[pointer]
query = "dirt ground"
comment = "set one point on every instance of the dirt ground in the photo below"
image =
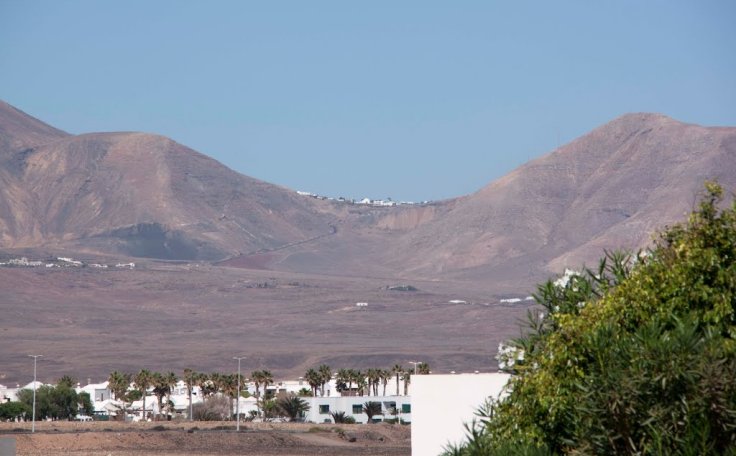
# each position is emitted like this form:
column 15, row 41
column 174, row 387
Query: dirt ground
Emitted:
column 210, row 438
column 87, row 323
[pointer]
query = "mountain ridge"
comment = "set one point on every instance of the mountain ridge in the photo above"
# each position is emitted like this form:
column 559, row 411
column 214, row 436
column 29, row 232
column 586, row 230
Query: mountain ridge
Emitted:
column 265, row 271
column 145, row 195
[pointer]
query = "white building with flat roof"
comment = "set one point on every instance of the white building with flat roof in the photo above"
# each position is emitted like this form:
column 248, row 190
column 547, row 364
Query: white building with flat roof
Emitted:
column 444, row 403
column 392, row 408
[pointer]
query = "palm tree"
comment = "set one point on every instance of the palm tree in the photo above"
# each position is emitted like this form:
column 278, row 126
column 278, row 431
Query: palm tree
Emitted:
column 162, row 384
column 369, row 375
column 342, row 378
column 361, row 383
column 314, row 379
column 372, row 408
column 423, row 369
column 190, row 379
column 266, row 380
column 397, row 369
column 292, row 406
column 385, row 377
column 354, row 376
column 119, row 382
column 142, row 381
column 377, row 381
column 325, row 374
column 67, row 381
column 261, row 377
column 407, row 379
column 230, row 389
column 338, row 417
column 206, row 385
column 216, row 382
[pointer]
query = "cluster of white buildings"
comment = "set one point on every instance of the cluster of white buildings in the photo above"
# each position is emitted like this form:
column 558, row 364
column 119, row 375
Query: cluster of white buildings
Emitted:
column 60, row 262
column 106, row 406
column 439, row 408
column 364, row 201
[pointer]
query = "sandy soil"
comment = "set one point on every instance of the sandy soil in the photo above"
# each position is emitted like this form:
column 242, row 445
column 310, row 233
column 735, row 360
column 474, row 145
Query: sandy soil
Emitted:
column 88, row 323
column 175, row 439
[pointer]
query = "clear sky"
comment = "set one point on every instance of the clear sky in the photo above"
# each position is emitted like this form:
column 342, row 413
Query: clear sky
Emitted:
column 411, row 100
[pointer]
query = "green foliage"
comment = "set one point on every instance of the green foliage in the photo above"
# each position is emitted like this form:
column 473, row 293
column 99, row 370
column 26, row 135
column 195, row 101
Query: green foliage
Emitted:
column 134, row 395
column 635, row 357
column 85, row 404
column 10, row 411
column 67, row 381
column 162, row 384
column 59, row 402
column 372, row 408
column 292, row 406
column 269, row 408
column 342, row 418
column 119, row 382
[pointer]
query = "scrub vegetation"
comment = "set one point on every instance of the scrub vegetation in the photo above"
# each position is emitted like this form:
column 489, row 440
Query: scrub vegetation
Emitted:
column 636, row 356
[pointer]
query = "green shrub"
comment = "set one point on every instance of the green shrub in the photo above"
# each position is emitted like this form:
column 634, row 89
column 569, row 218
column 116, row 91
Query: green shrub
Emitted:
column 637, row 356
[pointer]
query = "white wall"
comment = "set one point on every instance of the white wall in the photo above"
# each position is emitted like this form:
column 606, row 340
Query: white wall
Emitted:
column 441, row 404
column 345, row 404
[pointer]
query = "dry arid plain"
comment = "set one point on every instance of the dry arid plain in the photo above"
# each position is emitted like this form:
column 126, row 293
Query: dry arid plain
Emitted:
column 167, row 317
column 211, row 438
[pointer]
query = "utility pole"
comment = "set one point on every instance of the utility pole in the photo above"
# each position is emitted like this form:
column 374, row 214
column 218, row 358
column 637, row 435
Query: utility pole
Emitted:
column 33, row 422
column 237, row 404
column 415, row 363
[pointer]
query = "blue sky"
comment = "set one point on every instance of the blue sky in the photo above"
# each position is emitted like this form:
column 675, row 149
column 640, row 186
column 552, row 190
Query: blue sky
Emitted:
column 411, row 100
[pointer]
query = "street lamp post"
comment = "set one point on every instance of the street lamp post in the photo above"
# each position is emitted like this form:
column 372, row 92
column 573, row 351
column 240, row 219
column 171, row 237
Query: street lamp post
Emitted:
column 237, row 404
column 415, row 363
column 33, row 421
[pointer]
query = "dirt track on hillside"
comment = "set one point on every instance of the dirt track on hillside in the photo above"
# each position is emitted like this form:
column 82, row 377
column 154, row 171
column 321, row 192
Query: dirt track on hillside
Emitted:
column 176, row 439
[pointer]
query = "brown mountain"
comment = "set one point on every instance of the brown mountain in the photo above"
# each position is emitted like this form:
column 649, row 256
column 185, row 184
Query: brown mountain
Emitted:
column 303, row 263
column 611, row 188
column 145, row 195
column 136, row 194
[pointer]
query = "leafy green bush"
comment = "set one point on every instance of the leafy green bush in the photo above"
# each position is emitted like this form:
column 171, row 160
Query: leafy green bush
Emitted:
column 10, row 411
column 635, row 357
column 342, row 418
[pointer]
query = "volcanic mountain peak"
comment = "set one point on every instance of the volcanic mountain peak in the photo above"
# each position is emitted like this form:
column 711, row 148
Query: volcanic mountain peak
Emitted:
column 145, row 195
column 138, row 194
column 610, row 188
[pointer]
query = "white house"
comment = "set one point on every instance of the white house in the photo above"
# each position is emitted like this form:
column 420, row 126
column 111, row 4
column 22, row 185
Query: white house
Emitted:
column 392, row 407
column 98, row 392
column 8, row 394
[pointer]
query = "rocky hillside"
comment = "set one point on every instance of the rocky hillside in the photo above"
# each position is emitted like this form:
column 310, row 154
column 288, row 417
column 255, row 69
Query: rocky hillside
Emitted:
column 144, row 195
column 137, row 194
column 611, row 188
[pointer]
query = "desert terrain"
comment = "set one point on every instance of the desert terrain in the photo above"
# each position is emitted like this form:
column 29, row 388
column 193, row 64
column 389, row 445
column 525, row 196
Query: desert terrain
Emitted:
column 230, row 265
column 166, row 317
column 206, row 438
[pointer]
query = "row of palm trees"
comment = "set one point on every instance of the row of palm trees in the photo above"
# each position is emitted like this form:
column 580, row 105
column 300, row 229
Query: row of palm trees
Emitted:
column 161, row 384
column 366, row 382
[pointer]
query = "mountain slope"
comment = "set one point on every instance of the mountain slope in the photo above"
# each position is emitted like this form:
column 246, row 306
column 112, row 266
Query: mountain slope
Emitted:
column 147, row 196
column 140, row 195
column 608, row 189
column 20, row 131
